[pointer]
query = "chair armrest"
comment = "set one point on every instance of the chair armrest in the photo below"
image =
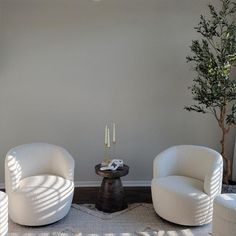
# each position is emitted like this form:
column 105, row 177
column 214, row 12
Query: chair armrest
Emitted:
column 63, row 164
column 13, row 173
column 213, row 179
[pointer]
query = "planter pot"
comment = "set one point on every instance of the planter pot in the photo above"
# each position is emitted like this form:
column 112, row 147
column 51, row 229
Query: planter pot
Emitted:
column 229, row 188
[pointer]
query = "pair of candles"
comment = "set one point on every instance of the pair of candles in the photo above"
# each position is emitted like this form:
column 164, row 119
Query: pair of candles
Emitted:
column 107, row 135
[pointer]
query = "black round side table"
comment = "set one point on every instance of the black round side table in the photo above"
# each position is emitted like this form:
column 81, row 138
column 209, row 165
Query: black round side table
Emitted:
column 111, row 195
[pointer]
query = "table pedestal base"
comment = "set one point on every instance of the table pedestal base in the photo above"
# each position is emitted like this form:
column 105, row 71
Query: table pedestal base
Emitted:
column 111, row 196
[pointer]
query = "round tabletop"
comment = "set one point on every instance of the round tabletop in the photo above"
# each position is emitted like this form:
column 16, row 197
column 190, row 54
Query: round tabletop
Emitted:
column 121, row 171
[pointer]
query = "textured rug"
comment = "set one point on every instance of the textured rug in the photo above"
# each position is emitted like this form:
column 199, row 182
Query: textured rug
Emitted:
column 138, row 220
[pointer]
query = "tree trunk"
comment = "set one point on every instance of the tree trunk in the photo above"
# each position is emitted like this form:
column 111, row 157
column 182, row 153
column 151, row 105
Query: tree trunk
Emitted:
column 227, row 162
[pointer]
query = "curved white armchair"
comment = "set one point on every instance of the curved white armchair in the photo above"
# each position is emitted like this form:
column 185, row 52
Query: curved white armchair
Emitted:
column 39, row 183
column 186, row 180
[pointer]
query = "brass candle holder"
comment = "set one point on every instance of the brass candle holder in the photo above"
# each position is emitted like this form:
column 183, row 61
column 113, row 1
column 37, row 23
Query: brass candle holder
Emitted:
column 107, row 147
column 107, row 158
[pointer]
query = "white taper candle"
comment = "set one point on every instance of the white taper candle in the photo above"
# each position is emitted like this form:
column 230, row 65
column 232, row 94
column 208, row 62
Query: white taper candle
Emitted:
column 106, row 135
column 114, row 133
column 108, row 138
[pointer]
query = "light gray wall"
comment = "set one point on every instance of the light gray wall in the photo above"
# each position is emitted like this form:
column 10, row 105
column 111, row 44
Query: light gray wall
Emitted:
column 71, row 66
column 1, row 33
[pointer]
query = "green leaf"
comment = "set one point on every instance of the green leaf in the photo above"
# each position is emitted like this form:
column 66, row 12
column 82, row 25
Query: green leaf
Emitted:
column 213, row 58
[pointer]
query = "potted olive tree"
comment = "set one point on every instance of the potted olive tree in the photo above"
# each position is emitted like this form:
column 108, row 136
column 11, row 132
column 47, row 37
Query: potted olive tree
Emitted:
column 213, row 57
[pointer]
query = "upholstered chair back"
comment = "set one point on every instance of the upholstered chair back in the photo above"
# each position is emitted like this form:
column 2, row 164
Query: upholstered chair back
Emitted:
column 191, row 161
column 39, row 183
column 36, row 159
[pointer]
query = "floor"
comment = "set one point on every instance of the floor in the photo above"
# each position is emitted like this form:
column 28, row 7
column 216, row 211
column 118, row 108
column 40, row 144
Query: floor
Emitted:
column 133, row 194
column 139, row 219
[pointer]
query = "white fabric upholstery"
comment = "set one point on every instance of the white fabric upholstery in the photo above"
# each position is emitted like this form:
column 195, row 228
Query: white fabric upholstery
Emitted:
column 224, row 215
column 39, row 182
column 3, row 214
column 186, row 180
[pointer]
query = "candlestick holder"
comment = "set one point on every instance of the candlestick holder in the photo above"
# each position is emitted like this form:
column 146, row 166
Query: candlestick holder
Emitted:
column 114, row 150
column 107, row 158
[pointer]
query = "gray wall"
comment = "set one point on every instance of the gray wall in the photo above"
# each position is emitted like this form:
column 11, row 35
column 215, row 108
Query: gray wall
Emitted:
column 71, row 66
column 1, row 34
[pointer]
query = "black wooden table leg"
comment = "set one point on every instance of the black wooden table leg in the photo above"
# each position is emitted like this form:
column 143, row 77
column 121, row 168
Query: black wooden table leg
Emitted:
column 111, row 196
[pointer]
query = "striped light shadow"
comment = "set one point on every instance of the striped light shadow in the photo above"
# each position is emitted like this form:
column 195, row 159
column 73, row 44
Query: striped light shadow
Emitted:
column 3, row 214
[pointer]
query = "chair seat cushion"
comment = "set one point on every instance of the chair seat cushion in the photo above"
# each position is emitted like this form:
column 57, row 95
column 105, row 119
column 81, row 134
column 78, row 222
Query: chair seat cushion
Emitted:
column 43, row 185
column 181, row 200
column 224, row 216
column 225, row 206
column 182, row 185
column 41, row 199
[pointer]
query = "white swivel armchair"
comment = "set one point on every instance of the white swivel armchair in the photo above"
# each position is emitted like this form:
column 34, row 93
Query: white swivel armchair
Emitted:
column 186, row 180
column 39, row 183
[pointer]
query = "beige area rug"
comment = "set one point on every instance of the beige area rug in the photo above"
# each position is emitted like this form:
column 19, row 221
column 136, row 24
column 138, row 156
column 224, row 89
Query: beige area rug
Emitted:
column 138, row 220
